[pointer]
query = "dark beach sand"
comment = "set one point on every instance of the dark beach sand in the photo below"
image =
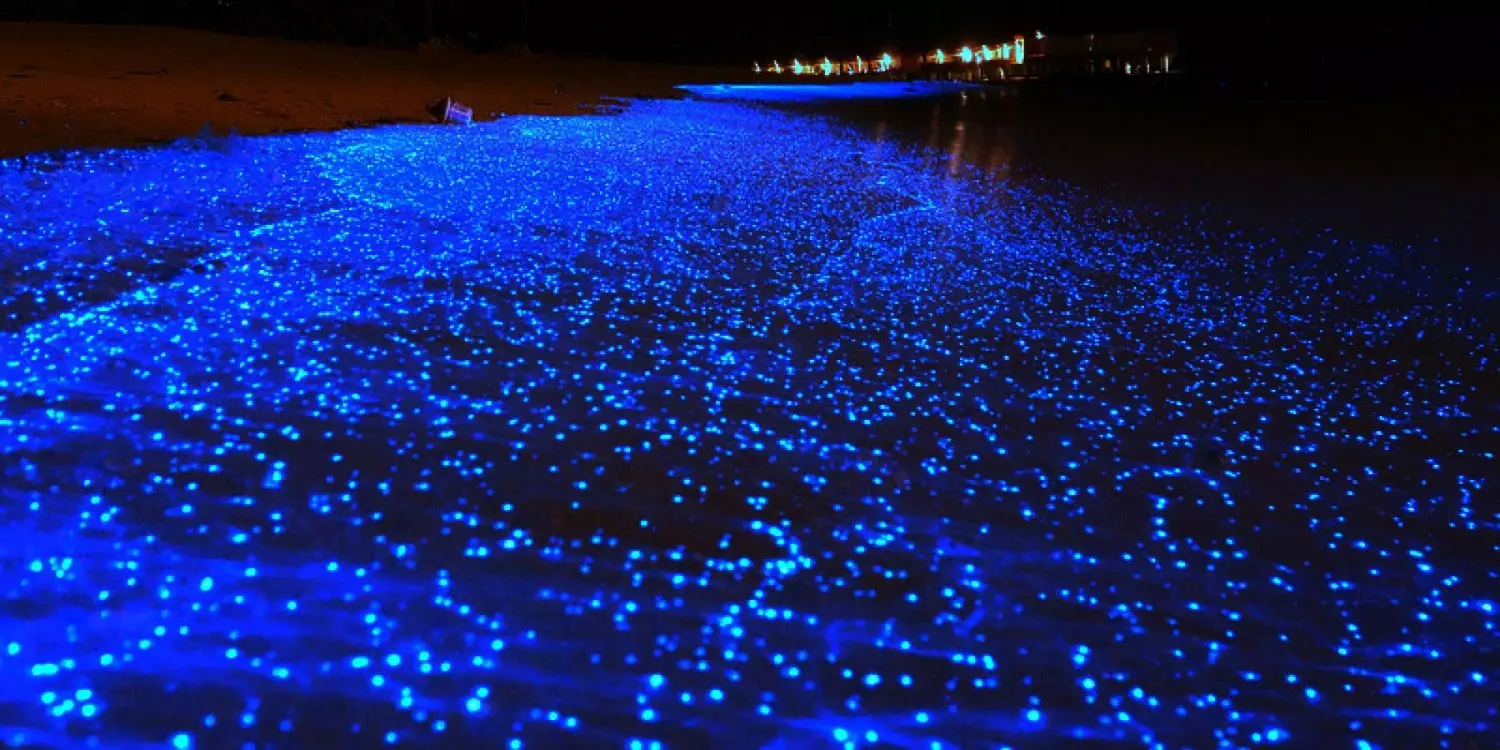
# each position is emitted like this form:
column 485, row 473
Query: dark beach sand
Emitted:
column 65, row 86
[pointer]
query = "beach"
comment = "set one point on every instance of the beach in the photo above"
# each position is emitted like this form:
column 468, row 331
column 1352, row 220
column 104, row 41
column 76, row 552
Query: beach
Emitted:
column 890, row 416
column 67, row 86
column 712, row 424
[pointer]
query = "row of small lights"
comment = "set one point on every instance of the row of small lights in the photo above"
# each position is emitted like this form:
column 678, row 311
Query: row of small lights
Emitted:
column 885, row 63
column 828, row 67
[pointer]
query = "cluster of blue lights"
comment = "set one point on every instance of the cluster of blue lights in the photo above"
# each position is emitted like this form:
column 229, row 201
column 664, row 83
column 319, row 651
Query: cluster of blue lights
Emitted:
column 711, row 426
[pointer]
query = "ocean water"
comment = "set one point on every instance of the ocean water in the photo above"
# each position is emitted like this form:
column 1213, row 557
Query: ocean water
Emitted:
column 720, row 424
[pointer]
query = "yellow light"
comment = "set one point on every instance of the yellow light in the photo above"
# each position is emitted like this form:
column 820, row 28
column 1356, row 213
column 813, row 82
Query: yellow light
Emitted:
column 941, row 58
column 827, row 67
column 1020, row 49
column 797, row 66
column 885, row 61
column 757, row 67
column 986, row 53
column 775, row 66
column 966, row 54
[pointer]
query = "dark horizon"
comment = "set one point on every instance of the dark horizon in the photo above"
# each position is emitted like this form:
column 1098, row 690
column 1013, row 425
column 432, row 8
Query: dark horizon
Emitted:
column 1273, row 44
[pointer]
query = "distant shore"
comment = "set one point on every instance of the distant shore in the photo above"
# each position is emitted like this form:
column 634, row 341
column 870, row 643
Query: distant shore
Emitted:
column 66, row 86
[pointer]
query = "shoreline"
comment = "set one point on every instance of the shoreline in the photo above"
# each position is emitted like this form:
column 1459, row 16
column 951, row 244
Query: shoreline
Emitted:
column 65, row 87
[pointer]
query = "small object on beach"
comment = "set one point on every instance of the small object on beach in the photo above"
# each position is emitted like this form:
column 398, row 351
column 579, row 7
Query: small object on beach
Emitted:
column 449, row 112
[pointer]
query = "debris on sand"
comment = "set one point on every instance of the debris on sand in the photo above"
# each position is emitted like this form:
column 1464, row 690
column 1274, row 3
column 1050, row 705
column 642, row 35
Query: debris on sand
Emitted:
column 449, row 111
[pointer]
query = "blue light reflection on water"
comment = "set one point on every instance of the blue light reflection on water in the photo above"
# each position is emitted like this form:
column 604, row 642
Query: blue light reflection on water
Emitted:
column 829, row 92
column 703, row 424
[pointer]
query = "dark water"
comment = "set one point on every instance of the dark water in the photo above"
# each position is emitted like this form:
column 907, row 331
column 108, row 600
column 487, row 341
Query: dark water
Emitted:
column 716, row 426
column 1400, row 170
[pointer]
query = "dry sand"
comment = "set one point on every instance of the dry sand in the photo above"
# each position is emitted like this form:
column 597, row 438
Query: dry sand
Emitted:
column 65, row 86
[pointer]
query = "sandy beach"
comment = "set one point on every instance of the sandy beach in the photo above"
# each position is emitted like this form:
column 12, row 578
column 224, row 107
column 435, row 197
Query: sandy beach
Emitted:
column 65, row 86
column 711, row 425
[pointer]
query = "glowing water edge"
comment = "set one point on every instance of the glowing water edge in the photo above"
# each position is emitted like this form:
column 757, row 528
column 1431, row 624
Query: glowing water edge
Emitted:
column 704, row 426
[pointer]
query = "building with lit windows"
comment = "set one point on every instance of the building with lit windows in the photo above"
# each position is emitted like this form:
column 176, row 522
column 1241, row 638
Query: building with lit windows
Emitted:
column 1135, row 53
column 1021, row 56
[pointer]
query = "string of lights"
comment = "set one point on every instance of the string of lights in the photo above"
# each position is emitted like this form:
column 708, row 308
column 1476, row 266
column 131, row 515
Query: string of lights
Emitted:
column 1012, row 52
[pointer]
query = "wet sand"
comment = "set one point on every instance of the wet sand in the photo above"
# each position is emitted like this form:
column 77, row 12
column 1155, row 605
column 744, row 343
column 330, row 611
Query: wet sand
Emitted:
column 715, row 426
column 65, row 86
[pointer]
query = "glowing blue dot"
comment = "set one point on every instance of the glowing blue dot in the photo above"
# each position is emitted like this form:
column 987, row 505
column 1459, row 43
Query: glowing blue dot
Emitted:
column 1033, row 715
column 182, row 741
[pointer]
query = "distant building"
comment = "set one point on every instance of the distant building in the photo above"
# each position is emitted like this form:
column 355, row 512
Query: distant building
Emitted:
column 984, row 62
column 1022, row 56
column 1132, row 53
